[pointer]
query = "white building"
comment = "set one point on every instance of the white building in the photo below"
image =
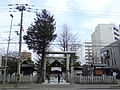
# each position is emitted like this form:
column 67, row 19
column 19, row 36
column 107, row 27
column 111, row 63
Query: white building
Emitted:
column 88, row 53
column 104, row 35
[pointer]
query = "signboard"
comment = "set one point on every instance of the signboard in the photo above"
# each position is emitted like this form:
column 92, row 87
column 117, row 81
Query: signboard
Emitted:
column 56, row 69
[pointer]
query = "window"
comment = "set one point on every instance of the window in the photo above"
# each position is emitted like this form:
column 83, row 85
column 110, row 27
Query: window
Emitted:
column 106, row 54
column 116, row 33
column 115, row 61
column 112, row 62
column 115, row 29
column 108, row 62
column 116, row 38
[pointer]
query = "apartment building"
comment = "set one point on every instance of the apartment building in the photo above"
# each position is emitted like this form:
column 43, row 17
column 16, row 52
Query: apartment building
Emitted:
column 88, row 53
column 104, row 35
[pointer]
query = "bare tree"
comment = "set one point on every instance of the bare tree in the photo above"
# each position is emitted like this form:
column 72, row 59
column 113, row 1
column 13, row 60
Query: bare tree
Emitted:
column 2, row 51
column 68, row 42
column 66, row 39
column 13, row 53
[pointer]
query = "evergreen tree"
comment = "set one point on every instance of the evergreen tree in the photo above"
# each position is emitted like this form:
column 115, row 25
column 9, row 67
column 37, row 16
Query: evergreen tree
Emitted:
column 12, row 67
column 39, row 36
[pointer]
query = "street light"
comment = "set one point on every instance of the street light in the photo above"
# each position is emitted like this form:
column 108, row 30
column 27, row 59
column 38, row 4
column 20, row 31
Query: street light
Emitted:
column 9, row 38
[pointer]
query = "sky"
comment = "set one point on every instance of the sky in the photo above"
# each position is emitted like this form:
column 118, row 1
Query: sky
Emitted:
column 82, row 16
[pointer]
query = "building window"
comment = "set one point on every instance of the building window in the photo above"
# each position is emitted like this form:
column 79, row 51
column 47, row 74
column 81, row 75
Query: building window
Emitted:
column 115, row 61
column 116, row 38
column 115, row 29
column 105, row 54
column 108, row 62
column 112, row 62
column 116, row 33
column 111, row 51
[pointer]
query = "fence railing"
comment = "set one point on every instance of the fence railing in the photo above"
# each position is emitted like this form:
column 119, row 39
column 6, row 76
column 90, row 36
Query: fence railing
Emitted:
column 77, row 79
column 23, row 79
column 95, row 79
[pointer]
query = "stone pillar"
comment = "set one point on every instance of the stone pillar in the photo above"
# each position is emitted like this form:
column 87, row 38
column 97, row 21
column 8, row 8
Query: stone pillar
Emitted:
column 72, row 71
column 67, row 67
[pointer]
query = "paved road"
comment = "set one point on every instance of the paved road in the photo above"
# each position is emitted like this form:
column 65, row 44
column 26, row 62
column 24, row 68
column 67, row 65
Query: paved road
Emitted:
column 62, row 87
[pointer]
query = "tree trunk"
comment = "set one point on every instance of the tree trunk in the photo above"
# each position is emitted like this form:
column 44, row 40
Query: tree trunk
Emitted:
column 40, row 78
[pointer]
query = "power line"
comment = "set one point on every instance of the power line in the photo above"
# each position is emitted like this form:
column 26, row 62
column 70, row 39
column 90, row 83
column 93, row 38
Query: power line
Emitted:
column 84, row 14
column 71, row 9
column 80, row 9
column 77, row 12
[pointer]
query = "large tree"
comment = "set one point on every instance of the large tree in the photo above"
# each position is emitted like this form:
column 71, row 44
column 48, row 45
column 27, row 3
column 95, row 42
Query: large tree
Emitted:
column 39, row 36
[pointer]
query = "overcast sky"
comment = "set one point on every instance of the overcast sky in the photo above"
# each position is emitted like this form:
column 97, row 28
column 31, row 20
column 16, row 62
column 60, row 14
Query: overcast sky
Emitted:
column 82, row 16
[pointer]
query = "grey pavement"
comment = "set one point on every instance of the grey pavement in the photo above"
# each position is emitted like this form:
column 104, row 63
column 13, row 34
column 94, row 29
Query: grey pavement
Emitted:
column 55, row 81
column 61, row 87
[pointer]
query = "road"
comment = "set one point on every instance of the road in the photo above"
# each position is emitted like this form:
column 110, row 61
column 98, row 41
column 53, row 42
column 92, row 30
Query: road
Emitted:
column 63, row 87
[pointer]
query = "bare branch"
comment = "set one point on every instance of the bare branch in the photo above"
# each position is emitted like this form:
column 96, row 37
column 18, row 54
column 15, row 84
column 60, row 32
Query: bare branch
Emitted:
column 66, row 39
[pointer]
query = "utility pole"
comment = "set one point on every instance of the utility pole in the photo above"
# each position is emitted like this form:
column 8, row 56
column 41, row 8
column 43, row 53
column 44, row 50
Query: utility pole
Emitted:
column 21, row 8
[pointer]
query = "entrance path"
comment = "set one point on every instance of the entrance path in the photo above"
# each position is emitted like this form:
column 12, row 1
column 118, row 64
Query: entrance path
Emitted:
column 54, row 80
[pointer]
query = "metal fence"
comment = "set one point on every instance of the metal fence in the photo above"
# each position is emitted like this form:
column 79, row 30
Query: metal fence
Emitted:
column 95, row 79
